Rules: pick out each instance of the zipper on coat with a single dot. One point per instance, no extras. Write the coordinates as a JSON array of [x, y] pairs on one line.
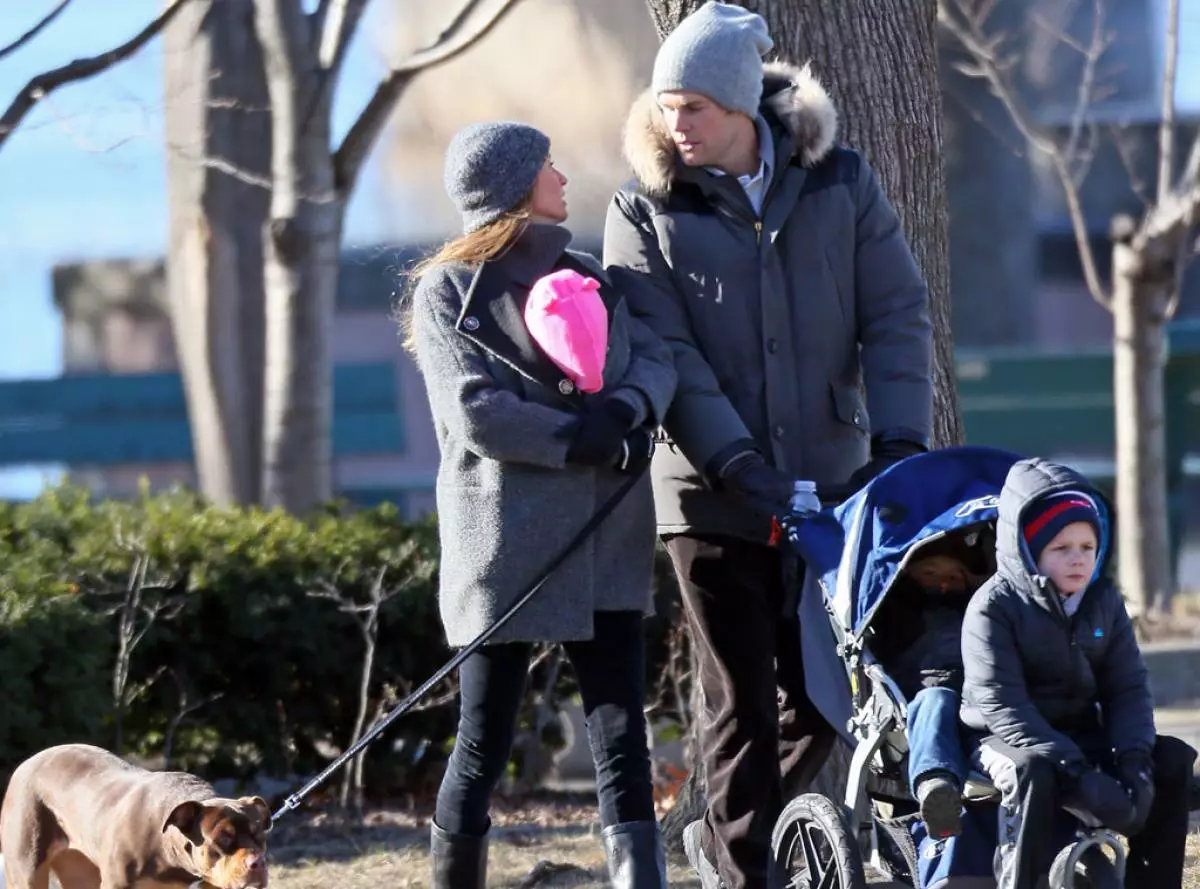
[[758, 232]]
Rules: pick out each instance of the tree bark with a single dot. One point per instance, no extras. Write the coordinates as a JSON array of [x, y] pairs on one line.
[[216, 108], [301, 243], [1139, 305], [879, 62]]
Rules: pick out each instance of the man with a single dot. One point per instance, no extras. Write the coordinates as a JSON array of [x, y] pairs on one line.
[[776, 269]]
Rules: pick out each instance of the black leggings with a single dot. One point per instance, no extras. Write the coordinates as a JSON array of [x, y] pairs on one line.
[[610, 669]]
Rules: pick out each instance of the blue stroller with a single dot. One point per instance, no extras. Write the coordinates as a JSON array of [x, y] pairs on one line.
[[854, 553]]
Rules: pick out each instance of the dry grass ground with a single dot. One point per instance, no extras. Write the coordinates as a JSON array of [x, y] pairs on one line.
[[548, 844]]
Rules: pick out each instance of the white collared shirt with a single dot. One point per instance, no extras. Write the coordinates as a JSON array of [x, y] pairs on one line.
[[755, 185]]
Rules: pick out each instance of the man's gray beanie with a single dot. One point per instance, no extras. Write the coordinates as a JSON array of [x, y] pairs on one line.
[[491, 167], [717, 51]]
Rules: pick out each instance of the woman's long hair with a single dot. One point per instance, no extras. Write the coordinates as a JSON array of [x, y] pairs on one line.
[[473, 248]]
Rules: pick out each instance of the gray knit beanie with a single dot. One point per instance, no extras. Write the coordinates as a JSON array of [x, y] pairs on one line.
[[491, 167], [717, 51]]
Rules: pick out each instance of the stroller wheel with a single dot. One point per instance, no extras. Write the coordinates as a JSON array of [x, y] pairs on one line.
[[1093, 870], [812, 847]]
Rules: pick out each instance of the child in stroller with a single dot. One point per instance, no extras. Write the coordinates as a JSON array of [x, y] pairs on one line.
[[866, 569], [922, 652]]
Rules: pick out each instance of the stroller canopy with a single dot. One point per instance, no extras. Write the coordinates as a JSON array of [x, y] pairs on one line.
[[856, 548]]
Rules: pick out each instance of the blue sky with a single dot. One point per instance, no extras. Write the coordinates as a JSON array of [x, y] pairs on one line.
[[84, 175]]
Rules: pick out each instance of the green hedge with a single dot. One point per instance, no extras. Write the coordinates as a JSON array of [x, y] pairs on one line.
[[241, 659], [228, 618]]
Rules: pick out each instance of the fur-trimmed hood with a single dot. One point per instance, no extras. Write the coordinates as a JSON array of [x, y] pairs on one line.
[[791, 94]]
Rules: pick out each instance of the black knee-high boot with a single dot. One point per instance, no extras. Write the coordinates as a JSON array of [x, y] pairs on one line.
[[635, 856], [459, 861]]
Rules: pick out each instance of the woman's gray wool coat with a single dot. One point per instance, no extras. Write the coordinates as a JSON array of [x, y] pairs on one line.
[[507, 501]]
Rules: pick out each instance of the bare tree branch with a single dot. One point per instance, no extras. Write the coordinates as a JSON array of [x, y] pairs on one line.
[[1166, 126], [1087, 83], [1126, 147], [246, 177], [338, 26], [965, 25], [454, 39], [1191, 171], [35, 30], [317, 19], [80, 69]]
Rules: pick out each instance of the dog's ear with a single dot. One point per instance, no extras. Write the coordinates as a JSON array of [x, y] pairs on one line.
[[185, 816], [260, 806]]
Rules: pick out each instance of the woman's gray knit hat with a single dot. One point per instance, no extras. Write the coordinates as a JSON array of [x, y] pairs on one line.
[[717, 51], [491, 167]]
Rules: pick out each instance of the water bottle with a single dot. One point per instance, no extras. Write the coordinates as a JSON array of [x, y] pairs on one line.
[[804, 498]]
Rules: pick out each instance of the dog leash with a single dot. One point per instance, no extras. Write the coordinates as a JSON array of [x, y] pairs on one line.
[[294, 801]]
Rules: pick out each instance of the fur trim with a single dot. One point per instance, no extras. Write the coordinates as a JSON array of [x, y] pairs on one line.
[[792, 94]]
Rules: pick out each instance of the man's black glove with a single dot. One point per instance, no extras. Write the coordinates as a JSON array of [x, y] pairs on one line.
[[1104, 796], [888, 447], [743, 472], [597, 436], [1136, 771], [636, 451]]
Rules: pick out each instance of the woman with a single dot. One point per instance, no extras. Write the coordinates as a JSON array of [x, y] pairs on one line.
[[526, 459]]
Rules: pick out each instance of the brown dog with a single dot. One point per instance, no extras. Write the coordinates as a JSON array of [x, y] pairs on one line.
[[98, 822]]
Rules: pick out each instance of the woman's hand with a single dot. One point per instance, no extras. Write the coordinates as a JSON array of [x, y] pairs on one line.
[[597, 437], [636, 451]]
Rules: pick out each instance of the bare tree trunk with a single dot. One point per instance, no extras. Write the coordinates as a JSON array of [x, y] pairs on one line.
[[301, 245], [353, 777], [216, 109], [879, 61], [1139, 356]]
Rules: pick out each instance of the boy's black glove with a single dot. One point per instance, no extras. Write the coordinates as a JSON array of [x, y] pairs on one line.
[[888, 447], [596, 438], [636, 451], [1136, 771], [1090, 789]]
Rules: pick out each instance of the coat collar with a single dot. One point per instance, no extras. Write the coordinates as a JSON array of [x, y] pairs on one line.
[[793, 99], [493, 307]]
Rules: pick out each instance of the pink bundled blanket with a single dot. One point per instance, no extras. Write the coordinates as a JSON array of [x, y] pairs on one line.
[[567, 318]]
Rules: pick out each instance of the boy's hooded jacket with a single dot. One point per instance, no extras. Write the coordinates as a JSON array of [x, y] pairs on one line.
[[1034, 676]]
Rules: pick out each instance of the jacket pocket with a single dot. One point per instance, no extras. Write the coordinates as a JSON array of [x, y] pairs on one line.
[[848, 407], [835, 263]]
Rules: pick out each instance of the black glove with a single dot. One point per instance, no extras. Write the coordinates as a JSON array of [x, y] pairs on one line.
[[636, 451], [749, 477], [1136, 771], [888, 447], [596, 438], [1102, 795]]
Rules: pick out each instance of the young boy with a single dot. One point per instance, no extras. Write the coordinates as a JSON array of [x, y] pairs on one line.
[[922, 653], [1056, 694]]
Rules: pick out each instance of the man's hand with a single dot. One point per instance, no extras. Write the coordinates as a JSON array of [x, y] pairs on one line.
[[888, 447], [1136, 772], [750, 478]]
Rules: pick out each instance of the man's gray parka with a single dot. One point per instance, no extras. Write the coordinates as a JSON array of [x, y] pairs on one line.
[[775, 321]]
